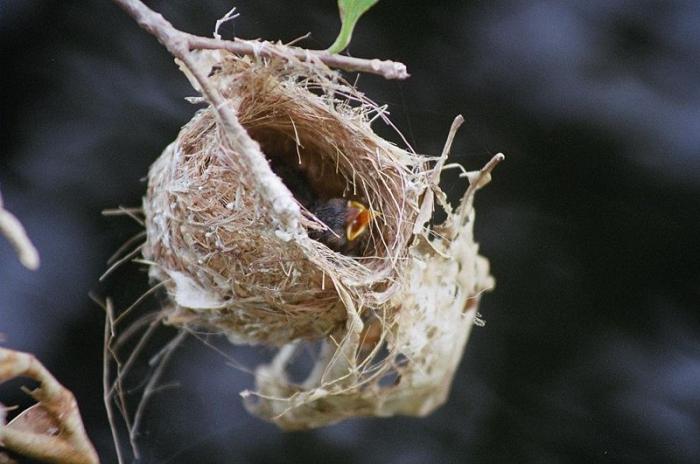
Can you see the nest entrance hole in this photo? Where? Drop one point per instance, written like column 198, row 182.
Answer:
column 322, row 155
column 313, row 170
column 309, row 170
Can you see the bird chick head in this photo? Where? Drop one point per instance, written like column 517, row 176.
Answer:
column 347, row 222
column 357, row 219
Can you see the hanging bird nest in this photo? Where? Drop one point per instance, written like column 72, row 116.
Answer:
column 392, row 314
column 211, row 239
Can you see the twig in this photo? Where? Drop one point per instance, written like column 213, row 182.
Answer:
column 270, row 187
column 386, row 68
column 437, row 170
column 172, row 39
column 51, row 430
column 230, row 16
column 477, row 180
column 433, row 192
column 12, row 229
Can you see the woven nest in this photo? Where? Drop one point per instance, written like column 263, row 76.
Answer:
column 392, row 317
column 217, row 248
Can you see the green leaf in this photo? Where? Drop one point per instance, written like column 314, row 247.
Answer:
column 350, row 12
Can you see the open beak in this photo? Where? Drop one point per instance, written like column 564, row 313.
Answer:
column 359, row 223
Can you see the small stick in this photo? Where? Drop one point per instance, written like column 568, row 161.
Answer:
column 456, row 124
column 477, row 180
column 386, row 68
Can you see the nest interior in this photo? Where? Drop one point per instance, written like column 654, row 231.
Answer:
column 321, row 152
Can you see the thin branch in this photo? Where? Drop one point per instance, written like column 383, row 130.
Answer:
column 428, row 202
column 477, row 180
column 437, row 170
column 386, row 68
column 270, row 187
column 178, row 42
column 480, row 178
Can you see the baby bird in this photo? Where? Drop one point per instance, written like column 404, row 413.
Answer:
column 348, row 222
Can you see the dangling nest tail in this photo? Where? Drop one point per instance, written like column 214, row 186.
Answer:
column 393, row 316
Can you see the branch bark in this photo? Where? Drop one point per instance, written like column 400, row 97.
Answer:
column 385, row 68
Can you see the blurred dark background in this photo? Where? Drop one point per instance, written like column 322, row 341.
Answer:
column 591, row 349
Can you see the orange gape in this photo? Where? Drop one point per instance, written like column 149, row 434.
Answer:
column 359, row 218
